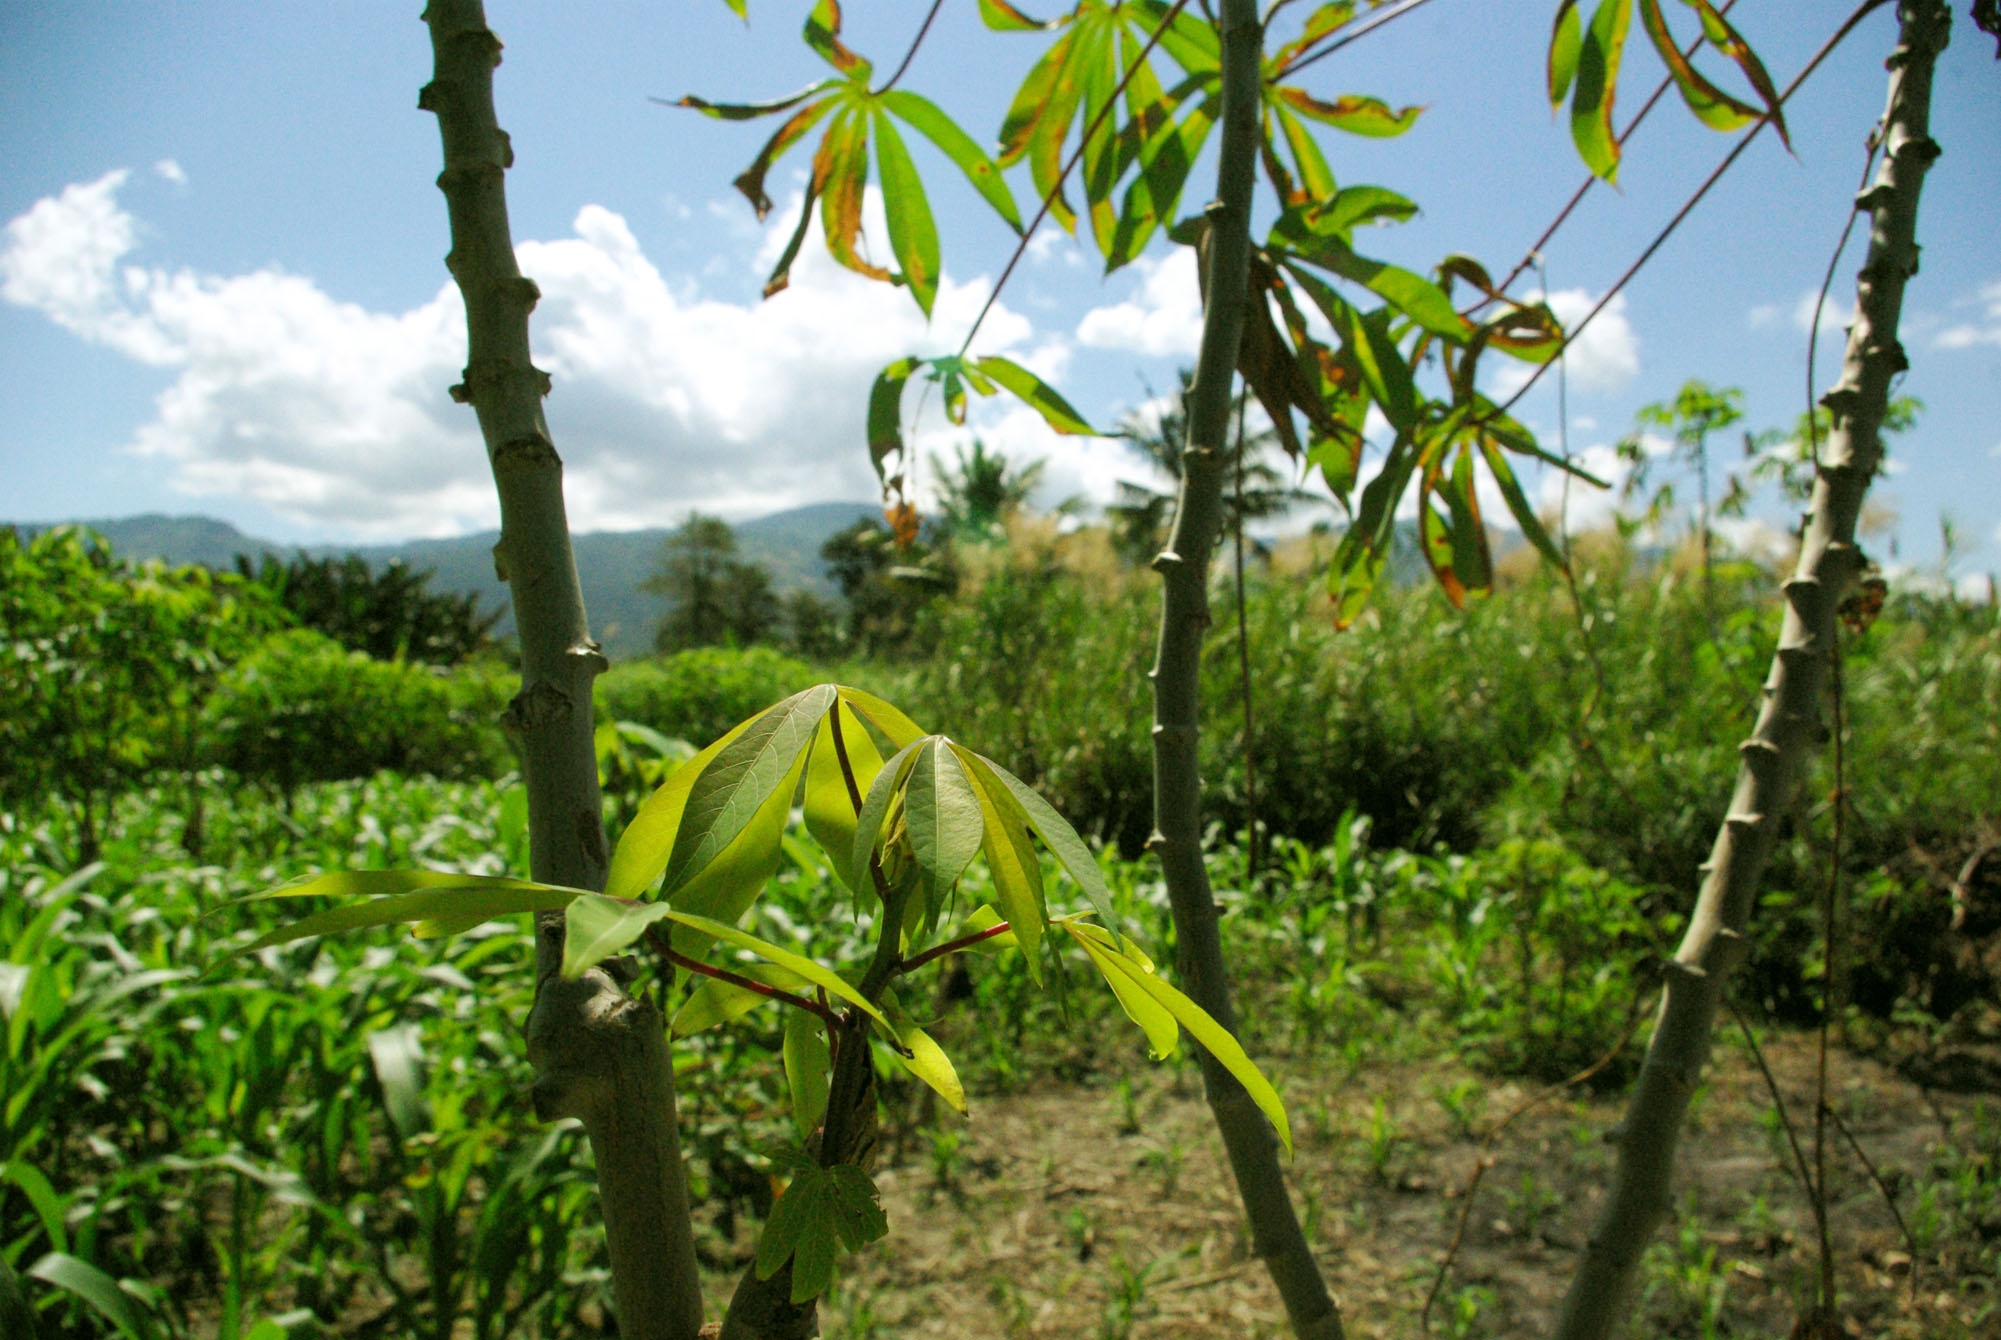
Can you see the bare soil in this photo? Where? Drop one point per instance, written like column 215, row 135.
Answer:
column 1088, row 1211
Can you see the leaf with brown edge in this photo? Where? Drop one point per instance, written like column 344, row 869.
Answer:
column 781, row 273
column 1530, row 333
column 1032, row 102
column 747, row 111
column 846, row 150
column 1518, row 503
column 1352, row 112
column 923, row 116
column 750, row 182
column 1598, row 58
column 1727, row 40
column 823, row 34
column 1316, row 179
column 1189, row 40
column 1434, row 541
column 1328, row 18
column 1164, row 167
column 885, row 415
column 1002, row 17
column 913, row 235
column 1710, row 104
column 1565, row 40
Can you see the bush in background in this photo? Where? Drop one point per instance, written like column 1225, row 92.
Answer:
column 697, row 695
column 302, row 708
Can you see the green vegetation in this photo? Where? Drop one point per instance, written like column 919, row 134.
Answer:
column 1485, row 866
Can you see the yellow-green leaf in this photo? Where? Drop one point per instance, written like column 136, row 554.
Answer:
column 924, row 1058
column 395, row 897
column 1017, row 874
column 609, row 925
column 714, row 1001
column 1213, row 1037
column 807, row 1062
column 942, row 811
column 745, row 773
column 831, row 808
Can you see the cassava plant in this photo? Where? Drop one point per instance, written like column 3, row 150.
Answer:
column 1320, row 333
column 1395, row 335
column 897, row 832
column 1789, row 720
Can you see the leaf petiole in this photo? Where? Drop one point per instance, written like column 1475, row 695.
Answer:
column 954, row 946
column 817, row 1008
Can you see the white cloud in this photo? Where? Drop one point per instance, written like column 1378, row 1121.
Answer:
column 1835, row 315
column 1986, row 330
column 1163, row 319
column 1584, row 505
column 1606, row 357
column 337, row 417
column 169, row 170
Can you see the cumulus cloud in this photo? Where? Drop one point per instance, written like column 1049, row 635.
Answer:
column 1985, row 330
column 1163, row 319
column 169, row 170
column 1606, row 357
column 338, row 417
column 1583, row 506
column 1835, row 315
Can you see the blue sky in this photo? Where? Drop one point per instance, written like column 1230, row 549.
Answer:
column 222, row 288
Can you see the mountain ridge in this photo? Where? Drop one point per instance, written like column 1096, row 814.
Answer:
column 610, row 564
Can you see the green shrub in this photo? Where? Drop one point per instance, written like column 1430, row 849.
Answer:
column 302, row 709
column 697, row 695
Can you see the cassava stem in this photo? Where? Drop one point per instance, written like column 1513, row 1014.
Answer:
column 600, row 1054
column 1789, row 725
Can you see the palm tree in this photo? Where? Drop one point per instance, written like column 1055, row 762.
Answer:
column 1141, row 516
column 979, row 492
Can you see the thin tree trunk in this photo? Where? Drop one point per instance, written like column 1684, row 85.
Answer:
column 1184, row 570
column 601, row 1054
column 1789, row 722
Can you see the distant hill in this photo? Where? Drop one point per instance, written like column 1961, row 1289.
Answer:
column 611, row 564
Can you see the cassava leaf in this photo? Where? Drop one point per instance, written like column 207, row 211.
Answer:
column 831, row 808
column 393, row 897
column 1010, row 792
column 845, row 149
column 1565, row 39
column 913, row 235
column 807, row 1063
column 924, row 1058
column 885, row 414
column 1003, row 17
column 823, row 35
column 942, row 810
column 1352, row 112
column 742, row 776
column 606, row 926
column 875, row 805
column 751, row 180
column 1037, row 394
column 894, row 726
column 1710, row 104
column 714, row 1001
column 923, row 116
column 1599, row 52
column 1017, row 874
column 1113, row 958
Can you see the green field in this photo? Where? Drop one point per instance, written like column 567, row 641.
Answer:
column 1478, row 835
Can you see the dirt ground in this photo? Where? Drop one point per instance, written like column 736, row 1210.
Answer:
column 1106, row 1211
